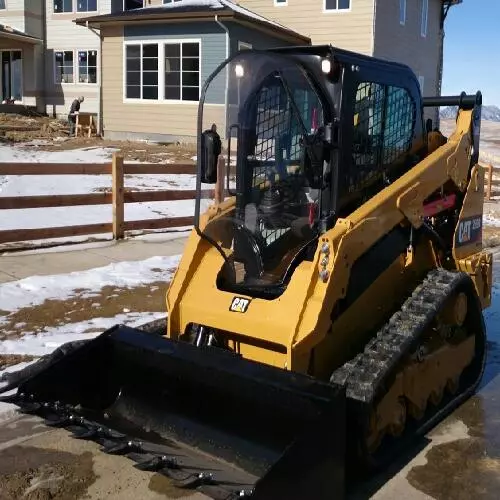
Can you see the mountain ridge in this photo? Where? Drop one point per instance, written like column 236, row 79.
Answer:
column 489, row 113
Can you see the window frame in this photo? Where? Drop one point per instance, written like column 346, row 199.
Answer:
column 4, row 5
column 77, row 61
column 337, row 10
column 86, row 11
column 22, row 101
column 55, row 66
column 402, row 12
column 424, row 21
column 56, row 13
column 161, row 70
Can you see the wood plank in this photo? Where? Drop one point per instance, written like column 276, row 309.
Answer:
column 12, row 235
column 55, row 168
column 134, row 225
column 60, row 200
column 167, row 195
column 159, row 168
column 93, row 168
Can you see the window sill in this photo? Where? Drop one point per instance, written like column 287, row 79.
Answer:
column 159, row 101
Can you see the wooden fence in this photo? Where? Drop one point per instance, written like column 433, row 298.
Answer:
column 117, row 197
column 490, row 182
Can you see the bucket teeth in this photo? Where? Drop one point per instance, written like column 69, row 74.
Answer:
column 157, row 463
column 195, row 480
column 88, row 432
column 29, row 408
column 11, row 399
column 122, row 448
column 63, row 421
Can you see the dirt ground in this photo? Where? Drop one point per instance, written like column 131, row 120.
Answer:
column 49, row 134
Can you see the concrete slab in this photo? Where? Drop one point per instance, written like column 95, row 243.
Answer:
column 139, row 250
column 83, row 257
column 41, row 462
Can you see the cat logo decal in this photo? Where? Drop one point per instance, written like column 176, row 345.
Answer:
column 239, row 304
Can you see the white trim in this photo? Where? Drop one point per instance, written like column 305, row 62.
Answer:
column 54, row 66
column 161, row 70
column 22, row 72
column 402, row 12
column 281, row 4
column 425, row 18
column 77, row 68
column 336, row 10
column 74, row 8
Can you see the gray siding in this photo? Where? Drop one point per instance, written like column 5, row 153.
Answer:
column 404, row 43
column 213, row 48
column 257, row 39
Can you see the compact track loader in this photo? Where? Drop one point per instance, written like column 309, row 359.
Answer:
column 328, row 306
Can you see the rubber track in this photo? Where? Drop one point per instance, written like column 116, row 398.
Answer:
column 370, row 372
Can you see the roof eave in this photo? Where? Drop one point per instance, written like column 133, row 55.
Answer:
column 20, row 38
column 97, row 22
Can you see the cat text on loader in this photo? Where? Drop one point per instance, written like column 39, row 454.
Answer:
column 323, row 313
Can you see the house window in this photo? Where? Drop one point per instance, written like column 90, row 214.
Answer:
column 142, row 71
column 425, row 16
column 87, row 66
column 63, row 6
column 280, row 3
column 11, row 76
column 182, row 71
column 170, row 1
column 402, row 12
column 2, row 4
column 87, row 6
column 132, row 4
column 64, row 66
column 330, row 5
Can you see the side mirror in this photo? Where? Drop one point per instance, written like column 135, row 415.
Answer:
column 210, row 150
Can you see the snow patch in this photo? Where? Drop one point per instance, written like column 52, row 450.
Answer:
column 35, row 290
column 53, row 337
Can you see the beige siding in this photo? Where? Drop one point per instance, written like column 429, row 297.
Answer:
column 405, row 43
column 351, row 30
column 34, row 18
column 178, row 120
column 31, row 93
column 64, row 34
column 13, row 15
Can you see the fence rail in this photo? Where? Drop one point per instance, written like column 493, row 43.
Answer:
column 117, row 196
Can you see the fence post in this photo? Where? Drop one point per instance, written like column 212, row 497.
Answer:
column 118, row 196
column 219, row 185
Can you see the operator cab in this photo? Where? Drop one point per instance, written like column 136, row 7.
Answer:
column 315, row 131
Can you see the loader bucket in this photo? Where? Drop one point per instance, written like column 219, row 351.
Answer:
column 205, row 417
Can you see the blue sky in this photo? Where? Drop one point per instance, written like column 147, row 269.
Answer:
column 472, row 50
